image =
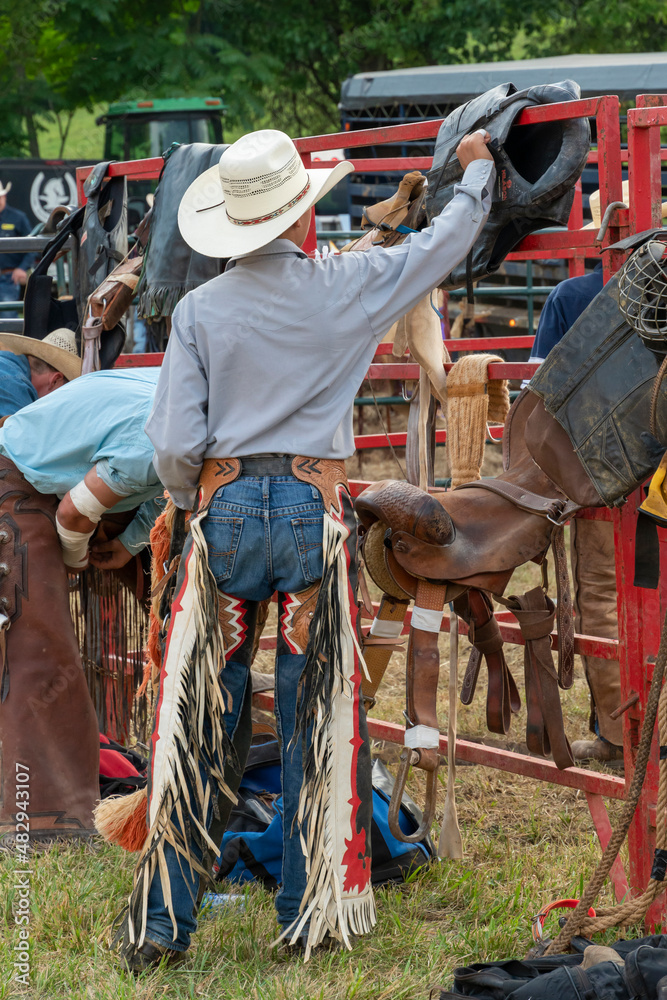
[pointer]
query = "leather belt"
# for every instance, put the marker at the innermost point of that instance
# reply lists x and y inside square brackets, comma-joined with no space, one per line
[267,465]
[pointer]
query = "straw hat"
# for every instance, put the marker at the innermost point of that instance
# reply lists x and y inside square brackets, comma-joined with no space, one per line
[259,189]
[58,349]
[594,204]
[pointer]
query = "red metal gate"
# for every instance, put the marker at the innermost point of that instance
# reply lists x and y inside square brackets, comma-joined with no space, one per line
[640,612]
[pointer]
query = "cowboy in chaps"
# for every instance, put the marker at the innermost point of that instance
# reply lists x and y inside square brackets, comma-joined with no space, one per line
[252,424]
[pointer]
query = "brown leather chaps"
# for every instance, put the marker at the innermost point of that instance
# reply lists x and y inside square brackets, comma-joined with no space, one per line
[47,721]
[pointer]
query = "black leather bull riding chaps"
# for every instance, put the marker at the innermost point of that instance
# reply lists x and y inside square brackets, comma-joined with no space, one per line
[48,728]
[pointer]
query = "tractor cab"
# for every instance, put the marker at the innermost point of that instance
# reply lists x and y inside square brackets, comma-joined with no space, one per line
[135,130]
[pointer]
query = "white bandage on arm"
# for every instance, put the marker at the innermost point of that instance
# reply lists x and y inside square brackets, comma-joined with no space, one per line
[74,545]
[86,502]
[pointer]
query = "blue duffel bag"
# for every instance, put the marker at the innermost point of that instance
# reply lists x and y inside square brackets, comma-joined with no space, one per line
[252,844]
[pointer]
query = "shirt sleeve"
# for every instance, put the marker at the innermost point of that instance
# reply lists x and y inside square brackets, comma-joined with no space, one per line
[129,471]
[137,534]
[394,280]
[177,425]
[16,389]
[23,228]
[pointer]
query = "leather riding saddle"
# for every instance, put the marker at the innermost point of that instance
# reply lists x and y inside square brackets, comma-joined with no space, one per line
[463,546]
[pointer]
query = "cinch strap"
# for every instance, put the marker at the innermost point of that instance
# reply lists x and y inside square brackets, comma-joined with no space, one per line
[422,736]
[426,619]
[386,630]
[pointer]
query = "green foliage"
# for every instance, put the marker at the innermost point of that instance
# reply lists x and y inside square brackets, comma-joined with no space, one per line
[277,62]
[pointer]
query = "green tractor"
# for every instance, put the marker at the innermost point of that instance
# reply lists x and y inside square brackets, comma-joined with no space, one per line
[136,130]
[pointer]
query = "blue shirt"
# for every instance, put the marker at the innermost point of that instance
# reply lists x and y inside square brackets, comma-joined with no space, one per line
[15,223]
[16,389]
[564,305]
[96,420]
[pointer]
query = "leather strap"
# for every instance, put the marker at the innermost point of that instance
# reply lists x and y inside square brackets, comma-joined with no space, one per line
[553,508]
[267,465]
[545,732]
[423,666]
[564,612]
[377,650]
[91,333]
[502,693]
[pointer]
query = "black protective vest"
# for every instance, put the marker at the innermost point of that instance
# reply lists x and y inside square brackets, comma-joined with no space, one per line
[171,267]
[103,240]
[597,384]
[42,310]
[537,167]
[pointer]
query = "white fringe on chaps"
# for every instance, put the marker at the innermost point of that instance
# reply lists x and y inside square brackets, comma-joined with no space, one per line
[333,820]
[189,729]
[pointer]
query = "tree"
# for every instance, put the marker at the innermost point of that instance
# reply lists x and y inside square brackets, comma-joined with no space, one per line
[278,62]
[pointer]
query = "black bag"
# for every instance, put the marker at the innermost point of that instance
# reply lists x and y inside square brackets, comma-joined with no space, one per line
[537,168]
[560,977]
[43,312]
[103,242]
[122,771]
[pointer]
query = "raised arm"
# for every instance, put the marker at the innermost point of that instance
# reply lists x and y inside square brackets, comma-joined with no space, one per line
[396,279]
[177,426]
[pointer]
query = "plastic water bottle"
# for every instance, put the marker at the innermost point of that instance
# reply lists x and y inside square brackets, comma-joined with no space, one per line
[214,900]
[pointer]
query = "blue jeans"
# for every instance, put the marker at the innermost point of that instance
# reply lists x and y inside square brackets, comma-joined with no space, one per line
[263,535]
[9,292]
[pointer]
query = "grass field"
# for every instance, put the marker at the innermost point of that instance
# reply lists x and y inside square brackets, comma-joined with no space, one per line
[525,844]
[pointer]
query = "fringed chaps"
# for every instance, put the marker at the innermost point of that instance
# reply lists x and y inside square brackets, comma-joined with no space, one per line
[188,730]
[48,727]
[335,806]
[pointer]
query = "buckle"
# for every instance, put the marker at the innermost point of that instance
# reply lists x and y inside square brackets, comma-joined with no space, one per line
[557,508]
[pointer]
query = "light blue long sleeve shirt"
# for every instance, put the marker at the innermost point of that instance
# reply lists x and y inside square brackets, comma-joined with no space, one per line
[96,420]
[268,356]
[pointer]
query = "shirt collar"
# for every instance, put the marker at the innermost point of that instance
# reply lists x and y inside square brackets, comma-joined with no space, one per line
[275,248]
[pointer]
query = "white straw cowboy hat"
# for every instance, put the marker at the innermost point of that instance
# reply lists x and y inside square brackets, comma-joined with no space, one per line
[258,190]
[58,349]
[5,190]
[594,202]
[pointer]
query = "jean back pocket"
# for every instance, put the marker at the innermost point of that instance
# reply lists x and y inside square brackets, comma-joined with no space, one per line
[223,535]
[308,534]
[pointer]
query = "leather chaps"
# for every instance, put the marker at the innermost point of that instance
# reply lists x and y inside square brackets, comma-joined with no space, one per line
[47,720]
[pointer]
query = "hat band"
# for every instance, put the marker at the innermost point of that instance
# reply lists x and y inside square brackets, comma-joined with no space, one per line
[273,215]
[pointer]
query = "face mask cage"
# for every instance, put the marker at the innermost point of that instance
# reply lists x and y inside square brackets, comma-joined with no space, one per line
[642,294]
